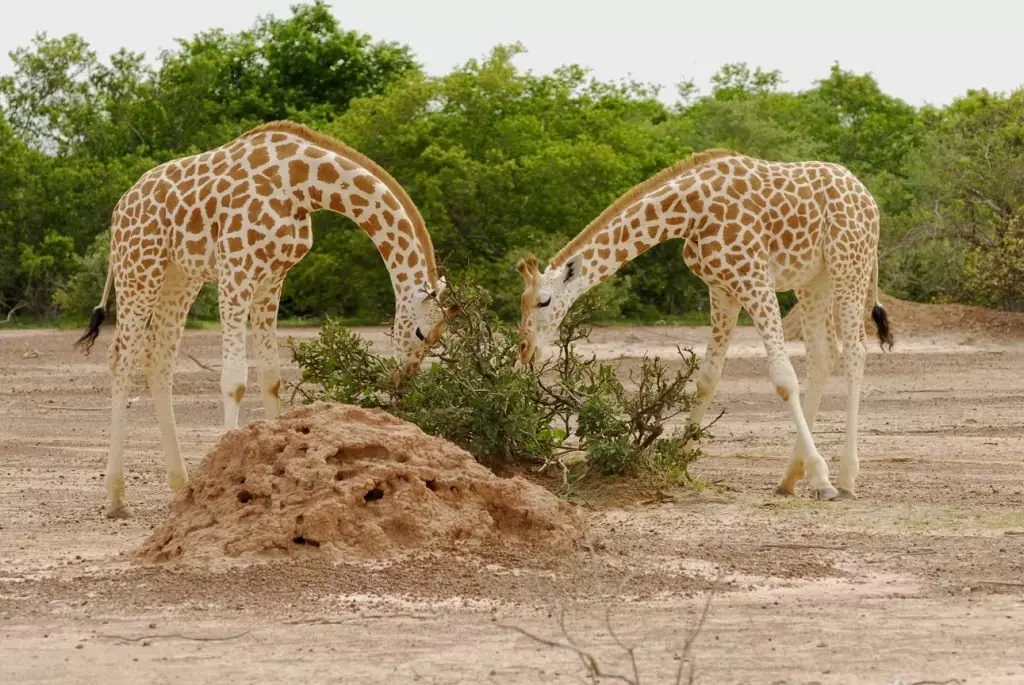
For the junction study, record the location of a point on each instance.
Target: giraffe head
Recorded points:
(545, 301)
(420, 321)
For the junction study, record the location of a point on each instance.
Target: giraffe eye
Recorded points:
(544, 303)
(419, 334)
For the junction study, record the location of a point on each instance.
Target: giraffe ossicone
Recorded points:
(750, 228)
(239, 215)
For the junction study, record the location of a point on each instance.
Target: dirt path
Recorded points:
(922, 579)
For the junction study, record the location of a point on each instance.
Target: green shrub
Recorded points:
(570, 413)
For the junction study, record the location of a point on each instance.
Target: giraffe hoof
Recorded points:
(118, 511)
(177, 481)
(846, 494)
(826, 493)
(781, 491)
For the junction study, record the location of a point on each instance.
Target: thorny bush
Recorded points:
(570, 412)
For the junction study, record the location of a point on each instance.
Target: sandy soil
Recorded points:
(921, 579)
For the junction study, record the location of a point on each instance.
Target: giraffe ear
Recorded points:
(442, 283)
(573, 268)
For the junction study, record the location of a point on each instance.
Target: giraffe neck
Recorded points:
(343, 187)
(667, 212)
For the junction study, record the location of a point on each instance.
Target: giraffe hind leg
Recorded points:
(234, 300)
(165, 329)
(135, 303)
(819, 341)
(263, 316)
(850, 296)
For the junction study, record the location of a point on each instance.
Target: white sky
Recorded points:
(919, 51)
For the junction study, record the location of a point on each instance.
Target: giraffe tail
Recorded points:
(99, 313)
(879, 315)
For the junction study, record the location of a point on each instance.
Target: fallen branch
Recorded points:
(200, 364)
(173, 636)
(794, 545)
(353, 619)
(68, 407)
(10, 314)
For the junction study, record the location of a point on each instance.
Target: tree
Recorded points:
(503, 162)
(971, 174)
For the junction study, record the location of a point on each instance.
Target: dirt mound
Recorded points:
(913, 319)
(348, 482)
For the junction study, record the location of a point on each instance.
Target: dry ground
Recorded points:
(920, 580)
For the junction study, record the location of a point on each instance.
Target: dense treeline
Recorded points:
(500, 162)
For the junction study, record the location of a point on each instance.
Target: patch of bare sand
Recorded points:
(343, 482)
(914, 319)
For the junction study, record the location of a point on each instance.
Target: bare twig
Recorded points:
(686, 657)
(631, 651)
(588, 660)
(592, 666)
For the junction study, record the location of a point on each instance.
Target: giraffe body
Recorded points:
(750, 228)
(239, 215)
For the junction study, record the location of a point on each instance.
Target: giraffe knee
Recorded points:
(275, 389)
(705, 386)
(238, 393)
(784, 379)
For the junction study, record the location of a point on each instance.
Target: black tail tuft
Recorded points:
(881, 320)
(95, 321)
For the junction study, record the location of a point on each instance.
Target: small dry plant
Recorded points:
(571, 413)
(595, 667)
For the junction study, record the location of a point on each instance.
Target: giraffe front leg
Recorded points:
(725, 311)
(264, 333)
(763, 307)
(234, 299)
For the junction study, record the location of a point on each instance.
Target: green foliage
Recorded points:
(44, 268)
(970, 171)
(83, 290)
(513, 417)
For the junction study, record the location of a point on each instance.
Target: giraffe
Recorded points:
(750, 228)
(239, 215)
